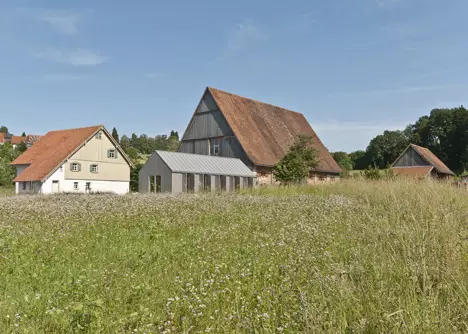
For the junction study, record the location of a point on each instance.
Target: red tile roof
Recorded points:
(53, 148)
(417, 171)
(2, 137)
(16, 140)
(266, 132)
(431, 158)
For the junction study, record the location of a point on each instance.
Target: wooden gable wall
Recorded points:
(410, 158)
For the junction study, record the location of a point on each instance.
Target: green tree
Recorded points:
(343, 160)
(173, 141)
(7, 172)
(21, 147)
(295, 166)
(23, 134)
(115, 135)
(360, 160)
(125, 143)
(385, 148)
(134, 180)
(133, 154)
(3, 129)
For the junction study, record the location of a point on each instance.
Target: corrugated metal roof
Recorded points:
(204, 164)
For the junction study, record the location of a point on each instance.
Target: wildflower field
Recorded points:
(351, 257)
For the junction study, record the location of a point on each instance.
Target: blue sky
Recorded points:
(353, 67)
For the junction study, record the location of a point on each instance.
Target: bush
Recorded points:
(295, 166)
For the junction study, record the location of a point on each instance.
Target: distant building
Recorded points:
(75, 160)
(420, 162)
(257, 133)
(29, 140)
(181, 172)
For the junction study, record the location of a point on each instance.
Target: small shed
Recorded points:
(184, 172)
(420, 162)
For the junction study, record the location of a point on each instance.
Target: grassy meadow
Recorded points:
(7, 191)
(351, 257)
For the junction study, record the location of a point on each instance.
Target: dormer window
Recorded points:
(99, 135)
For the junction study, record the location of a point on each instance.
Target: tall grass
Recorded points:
(7, 191)
(388, 256)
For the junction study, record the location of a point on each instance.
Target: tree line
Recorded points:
(443, 131)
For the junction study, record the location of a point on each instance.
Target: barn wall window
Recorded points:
(215, 146)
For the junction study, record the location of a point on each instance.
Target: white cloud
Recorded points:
(78, 57)
(153, 75)
(64, 77)
(245, 34)
(67, 23)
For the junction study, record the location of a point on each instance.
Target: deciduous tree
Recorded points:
(295, 166)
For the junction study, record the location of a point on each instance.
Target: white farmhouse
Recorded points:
(74, 160)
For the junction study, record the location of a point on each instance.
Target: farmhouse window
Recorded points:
(93, 168)
(99, 135)
(75, 186)
(88, 186)
(112, 154)
(75, 167)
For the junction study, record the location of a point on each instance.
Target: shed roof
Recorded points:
(204, 164)
(414, 171)
(266, 132)
(429, 157)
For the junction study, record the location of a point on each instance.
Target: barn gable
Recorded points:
(207, 125)
(410, 158)
(415, 156)
(258, 133)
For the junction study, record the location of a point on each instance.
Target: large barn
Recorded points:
(257, 133)
(420, 162)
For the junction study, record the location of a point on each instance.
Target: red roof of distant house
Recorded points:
(16, 140)
(2, 137)
(266, 132)
(416, 171)
(53, 148)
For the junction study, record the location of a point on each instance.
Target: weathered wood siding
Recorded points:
(208, 122)
(410, 158)
(208, 125)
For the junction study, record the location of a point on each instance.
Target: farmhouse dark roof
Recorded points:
(266, 132)
(431, 158)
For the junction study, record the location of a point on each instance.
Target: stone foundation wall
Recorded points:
(265, 177)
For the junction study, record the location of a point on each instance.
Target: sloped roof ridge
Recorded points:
(254, 100)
